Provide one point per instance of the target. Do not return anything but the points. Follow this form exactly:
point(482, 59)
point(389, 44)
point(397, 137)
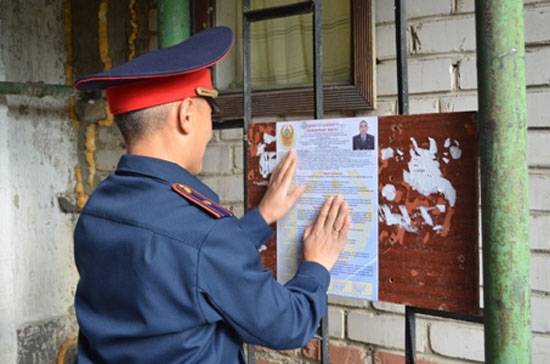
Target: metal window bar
point(403, 108)
point(249, 16)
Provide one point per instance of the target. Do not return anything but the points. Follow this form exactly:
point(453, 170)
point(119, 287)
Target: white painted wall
point(37, 158)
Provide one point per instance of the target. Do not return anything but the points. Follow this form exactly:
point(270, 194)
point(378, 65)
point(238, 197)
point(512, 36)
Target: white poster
point(335, 156)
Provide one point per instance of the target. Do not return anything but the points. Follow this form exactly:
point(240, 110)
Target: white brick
point(537, 69)
point(537, 109)
point(385, 41)
point(540, 272)
point(465, 6)
point(336, 319)
point(537, 66)
point(424, 76)
point(539, 191)
point(468, 74)
point(107, 159)
point(384, 11)
point(384, 330)
point(540, 353)
point(540, 314)
point(419, 8)
point(229, 188)
point(238, 158)
point(415, 8)
point(459, 103)
point(348, 302)
point(537, 104)
point(537, 24)
point(231, 134)
point(388, 307)
point(466, 342)
point(383, 107)
point(539, 231)
point(423, 106)
point(217, 159)
point(538, 149)
point(454, 34)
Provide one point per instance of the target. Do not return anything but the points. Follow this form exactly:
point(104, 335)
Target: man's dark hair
point(134, 125)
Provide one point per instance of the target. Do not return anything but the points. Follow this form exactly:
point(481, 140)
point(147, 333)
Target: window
point(282, 58)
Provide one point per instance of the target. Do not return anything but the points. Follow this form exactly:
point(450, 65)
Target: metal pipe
point(318, 59)
point(174, 22)
point(36, 89)
point(401, 53)
point(410, 335)
point(319, 114)
point(504, 195)
point(247, 119)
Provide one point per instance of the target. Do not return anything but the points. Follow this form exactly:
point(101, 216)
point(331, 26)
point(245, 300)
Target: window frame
point(359, 94)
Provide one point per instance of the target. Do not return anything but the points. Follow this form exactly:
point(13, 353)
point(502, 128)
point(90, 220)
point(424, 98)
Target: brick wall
point(442, 77)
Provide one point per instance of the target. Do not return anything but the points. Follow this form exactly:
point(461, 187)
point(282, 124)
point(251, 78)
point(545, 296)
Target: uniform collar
point(164, 170)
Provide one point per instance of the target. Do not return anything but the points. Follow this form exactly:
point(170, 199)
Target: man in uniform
point(363, 140)
point(167, 275)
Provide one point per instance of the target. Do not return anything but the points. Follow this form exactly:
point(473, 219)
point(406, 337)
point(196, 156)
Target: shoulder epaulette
point(202, 201)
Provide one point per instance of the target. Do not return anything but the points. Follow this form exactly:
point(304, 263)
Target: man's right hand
point(279, 197)
point(324, 239)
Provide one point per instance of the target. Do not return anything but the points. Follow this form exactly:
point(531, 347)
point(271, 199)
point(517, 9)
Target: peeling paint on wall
point(268, 159)
point(434, 207)
point(424, 174)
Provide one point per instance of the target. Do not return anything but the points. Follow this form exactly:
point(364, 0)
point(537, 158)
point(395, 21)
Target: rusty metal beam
point(503, 152)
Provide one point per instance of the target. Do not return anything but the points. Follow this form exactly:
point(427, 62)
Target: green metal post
point(504, 179)
point(174, 22)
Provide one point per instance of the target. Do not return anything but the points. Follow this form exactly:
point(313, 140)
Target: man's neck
point(159, 149)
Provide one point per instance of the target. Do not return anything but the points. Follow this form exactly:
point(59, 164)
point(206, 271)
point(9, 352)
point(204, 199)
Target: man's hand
point(324, 239)
point(278, 200)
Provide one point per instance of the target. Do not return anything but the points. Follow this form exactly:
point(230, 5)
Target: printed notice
point(335, 156)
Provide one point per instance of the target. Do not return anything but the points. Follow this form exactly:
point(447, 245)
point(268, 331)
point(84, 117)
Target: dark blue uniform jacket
point(162, 281)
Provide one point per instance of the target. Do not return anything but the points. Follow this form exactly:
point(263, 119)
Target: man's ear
point(184, 114)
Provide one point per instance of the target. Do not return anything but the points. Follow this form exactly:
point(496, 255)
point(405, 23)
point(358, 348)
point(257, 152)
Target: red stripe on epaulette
point(201, 201)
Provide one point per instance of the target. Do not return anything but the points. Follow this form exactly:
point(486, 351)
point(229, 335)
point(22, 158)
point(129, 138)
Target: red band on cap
point(156, 91)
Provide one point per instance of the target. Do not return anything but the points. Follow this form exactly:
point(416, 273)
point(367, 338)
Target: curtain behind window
point(282, 49)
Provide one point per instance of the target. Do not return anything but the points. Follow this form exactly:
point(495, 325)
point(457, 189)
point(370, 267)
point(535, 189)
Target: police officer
point(167, 274)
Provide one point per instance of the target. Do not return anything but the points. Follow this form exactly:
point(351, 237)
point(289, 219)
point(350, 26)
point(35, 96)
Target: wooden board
point(433, 262)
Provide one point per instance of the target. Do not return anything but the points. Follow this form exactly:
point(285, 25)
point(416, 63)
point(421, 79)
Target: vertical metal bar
point(403, 108)
point(318, 59)
point(401, 50)
point(174, 22)
point(319, 111)
point(247, 99)
point(247, 118)
point(503, 157)
point(410, 335)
